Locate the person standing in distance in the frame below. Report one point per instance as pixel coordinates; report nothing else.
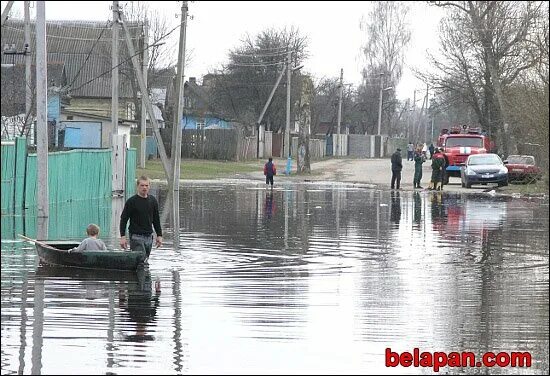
(142, 210)
(396, 167)
(269, 172)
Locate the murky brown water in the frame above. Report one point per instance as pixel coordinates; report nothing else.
(310, 279)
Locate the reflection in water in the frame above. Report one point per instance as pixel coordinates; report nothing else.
(66, 221)
(417, 208)
(395, 215)
(270, 206)
(141, 304)
(304, 279)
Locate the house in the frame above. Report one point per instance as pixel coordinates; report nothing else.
(13, 98)
(198, 112)
(83, 50)
(326, 116)
(82, 130)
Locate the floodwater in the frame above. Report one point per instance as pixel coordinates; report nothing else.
(313, 278)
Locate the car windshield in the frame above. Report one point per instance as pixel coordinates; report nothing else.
(484, 159)
(476, 142)
(521, 159)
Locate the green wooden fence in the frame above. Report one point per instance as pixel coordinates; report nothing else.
(83, 174)
(72, 175)
(131, 165)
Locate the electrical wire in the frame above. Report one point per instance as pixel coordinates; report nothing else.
(88, 56)
(256, 65)
(128, 59)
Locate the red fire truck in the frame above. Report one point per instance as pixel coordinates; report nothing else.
(458, 144)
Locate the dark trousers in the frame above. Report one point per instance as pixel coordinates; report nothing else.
(410, 155)
(141, 243)
(395, 177)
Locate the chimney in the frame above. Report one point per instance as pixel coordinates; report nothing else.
(193, 80)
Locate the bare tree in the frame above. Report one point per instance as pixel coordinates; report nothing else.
(487, 47)
(387, 36)
(241, 88)
(162, 51)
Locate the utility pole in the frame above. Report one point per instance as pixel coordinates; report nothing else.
(380, 103)
(287, 128)
(426, 124)
(414, 109)
(408, 119)
(341, 89)
(42, 122)
(143, 88)
(116, 142)
(114, 76)
(28, 62)
(6, 12)
(144, 63)
(267, 105)
(180, 85)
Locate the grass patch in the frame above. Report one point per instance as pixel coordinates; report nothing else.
(537, 188)
(199, 169)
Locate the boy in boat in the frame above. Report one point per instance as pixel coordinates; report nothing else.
(91, 243)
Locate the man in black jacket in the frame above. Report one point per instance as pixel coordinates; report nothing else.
(142, 210)
(396, 167)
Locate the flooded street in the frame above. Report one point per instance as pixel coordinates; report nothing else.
(311, 278)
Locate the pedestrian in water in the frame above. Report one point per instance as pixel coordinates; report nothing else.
(142, 210)
(438, 163)
(269, 172)
(419, 158)
(396, 167)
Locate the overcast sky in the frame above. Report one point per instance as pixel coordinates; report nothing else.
(332, 29)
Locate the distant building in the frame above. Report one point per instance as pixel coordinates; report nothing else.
(79, 75)
(198, 110)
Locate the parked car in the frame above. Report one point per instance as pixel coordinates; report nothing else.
(483, 169)
(522, 168)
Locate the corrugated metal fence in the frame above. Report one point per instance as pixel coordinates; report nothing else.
(72, 175)
(14, 156)
(82, 174)
(131, 165)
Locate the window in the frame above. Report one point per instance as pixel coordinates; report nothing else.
(200, 125)
(464, 141)
(130, 110)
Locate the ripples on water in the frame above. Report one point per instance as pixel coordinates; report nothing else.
(310, 279)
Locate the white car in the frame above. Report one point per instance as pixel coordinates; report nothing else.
(483, 169)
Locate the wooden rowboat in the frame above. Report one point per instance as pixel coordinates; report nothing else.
(57, 253)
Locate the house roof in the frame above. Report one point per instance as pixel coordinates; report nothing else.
(98, 117)
(84, 47)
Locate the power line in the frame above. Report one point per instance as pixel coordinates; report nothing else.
(88, 56)
(253, 54)
(67, 37)
(256, 65)
(128, 59)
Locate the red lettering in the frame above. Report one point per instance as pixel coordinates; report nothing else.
(468, 357)
(521, 359)
(426, 359)
(488, 359)
(437, 359)
(454, 359)
(406, 359)
(503, 359)
(440, 360)
(392, 358)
